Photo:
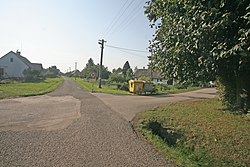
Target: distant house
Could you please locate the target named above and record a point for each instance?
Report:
(13, 64)
(153, 75)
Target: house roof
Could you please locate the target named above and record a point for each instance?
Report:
(147, 73)
(33, 66)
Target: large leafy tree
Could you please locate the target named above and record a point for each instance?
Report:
(198, 40)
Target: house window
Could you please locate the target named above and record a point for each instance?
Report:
(11, 59)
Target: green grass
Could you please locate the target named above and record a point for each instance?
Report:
(209, 135)
(169, 89)
(16, 89)
(93, 87)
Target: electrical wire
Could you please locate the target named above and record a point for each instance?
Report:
(134, 50)
(129, 19)
(117, 20)
(141, 56)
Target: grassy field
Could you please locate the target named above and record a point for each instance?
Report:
(16, 89)
(93, 87)
(197, 133)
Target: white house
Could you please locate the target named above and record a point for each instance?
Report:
(13, 64)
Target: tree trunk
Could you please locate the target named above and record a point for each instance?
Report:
(238, 91)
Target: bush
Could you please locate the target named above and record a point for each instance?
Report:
(124, 87)
(116, 77)
(32, 75)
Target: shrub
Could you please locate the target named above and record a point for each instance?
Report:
(32, 75)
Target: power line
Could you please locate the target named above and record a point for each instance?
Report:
(130, 18)
(117, 20)
(142, 56)
(134, 50)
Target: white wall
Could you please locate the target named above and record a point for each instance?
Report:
(12, 69)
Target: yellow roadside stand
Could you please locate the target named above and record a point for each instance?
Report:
(136, 86)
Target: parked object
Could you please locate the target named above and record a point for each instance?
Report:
(136, 86)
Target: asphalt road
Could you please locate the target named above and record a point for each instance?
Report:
(128, 106)
(69, 127)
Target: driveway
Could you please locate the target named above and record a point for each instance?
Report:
(128, 106)
(69, 127)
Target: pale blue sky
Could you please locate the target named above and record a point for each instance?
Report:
(62, 32)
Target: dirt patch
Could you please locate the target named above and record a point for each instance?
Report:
(38, 113)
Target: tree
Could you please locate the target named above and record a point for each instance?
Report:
(116, 77)
(51, 72)
(125, 68)
(129, 74)
(118, 70)
(90, 63)
(105, 72)
(91, 67)
(200, 40)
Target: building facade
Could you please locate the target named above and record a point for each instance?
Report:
(13, 64)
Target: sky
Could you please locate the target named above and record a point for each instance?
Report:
(63, 32)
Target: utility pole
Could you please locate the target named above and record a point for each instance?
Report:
(75, 69)
(101, 42)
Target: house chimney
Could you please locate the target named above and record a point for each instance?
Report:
(18, 52)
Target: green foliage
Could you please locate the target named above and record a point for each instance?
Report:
(121, 75)
(32, 75)
(129, 74)
(169, 89)
(125, 68)
(197, 41)
(208, 135)
(116, 77)
(91, 67)
(144, 78)
(51, 72)
(91, 85)
(14, 89)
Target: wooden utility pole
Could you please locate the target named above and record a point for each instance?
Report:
(101, 42)
(75, 69)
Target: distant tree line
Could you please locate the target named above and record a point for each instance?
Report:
(118, 75)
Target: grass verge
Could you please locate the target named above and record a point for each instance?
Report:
(93, 87)
(169, 89)
(29, 88)
(197, 133)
